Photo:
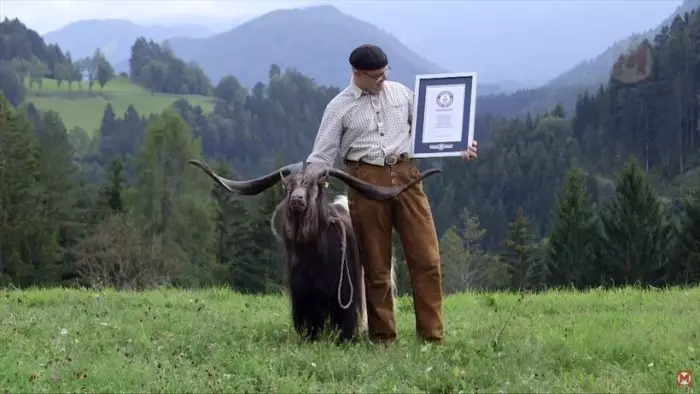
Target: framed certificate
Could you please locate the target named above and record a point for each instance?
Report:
(443, 114)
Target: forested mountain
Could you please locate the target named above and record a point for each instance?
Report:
(315, 40)
(595, 71)
(554, 199)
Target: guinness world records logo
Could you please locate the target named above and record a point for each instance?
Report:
(445, 99)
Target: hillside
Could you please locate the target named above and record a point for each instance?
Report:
(115, 38)
(78, 108)
(597, 70)
(216, 341)
(316, 41)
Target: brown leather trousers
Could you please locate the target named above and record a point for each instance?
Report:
(410, 215)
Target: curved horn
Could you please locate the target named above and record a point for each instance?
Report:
(375, 192)
(253, 186)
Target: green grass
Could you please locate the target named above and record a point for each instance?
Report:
(218, 341)
(77, 107)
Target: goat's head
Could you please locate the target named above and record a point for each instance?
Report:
(303, 191)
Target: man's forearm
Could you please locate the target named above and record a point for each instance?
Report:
(322, 157)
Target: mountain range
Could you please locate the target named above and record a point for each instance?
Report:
(316, 40)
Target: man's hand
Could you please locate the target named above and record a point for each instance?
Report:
(316, 169)
(470, 153)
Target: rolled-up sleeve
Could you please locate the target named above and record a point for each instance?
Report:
(327, 142)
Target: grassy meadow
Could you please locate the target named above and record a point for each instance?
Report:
(77, 107)
(216, 341)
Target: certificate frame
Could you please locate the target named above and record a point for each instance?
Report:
(450, 147)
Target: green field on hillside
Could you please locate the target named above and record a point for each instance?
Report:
(217, 341)
(79, 108)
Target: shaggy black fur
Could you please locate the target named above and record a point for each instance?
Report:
(313, 249)
(314, 277)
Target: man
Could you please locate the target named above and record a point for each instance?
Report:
(368, 125)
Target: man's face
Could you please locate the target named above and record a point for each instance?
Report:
(371, 80)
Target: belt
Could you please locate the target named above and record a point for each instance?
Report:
(392, 159)
(389, 160)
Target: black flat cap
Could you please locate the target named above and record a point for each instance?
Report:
(368, 57)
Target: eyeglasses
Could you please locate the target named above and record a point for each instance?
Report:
(376, 77)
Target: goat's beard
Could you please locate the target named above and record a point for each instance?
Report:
(303, 225)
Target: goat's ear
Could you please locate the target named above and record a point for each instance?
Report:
(283, 181)
(322, 181)
(323, 178)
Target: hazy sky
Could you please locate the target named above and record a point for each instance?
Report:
(47, 15)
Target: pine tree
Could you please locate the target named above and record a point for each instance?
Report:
(61, 189)
(465, 265)
(110, 196)
(231, 229)
(635, 235)
(525, 268)
(108, 133)
(259, 267)
(570, 251)
(268, 260)
(27, 245)
(173, 198)
(453, 258)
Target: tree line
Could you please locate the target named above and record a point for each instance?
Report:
(166, 226)
(26, 60)
(551, 201)
(658, 120)
(156, 68)
(170, 225)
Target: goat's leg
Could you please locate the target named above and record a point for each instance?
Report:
(345, 322)
(317, 313)
(299, 314)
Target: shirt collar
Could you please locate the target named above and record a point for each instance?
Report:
(356, 91)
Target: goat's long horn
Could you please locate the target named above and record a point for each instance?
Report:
(253, 186)
(375, 192)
